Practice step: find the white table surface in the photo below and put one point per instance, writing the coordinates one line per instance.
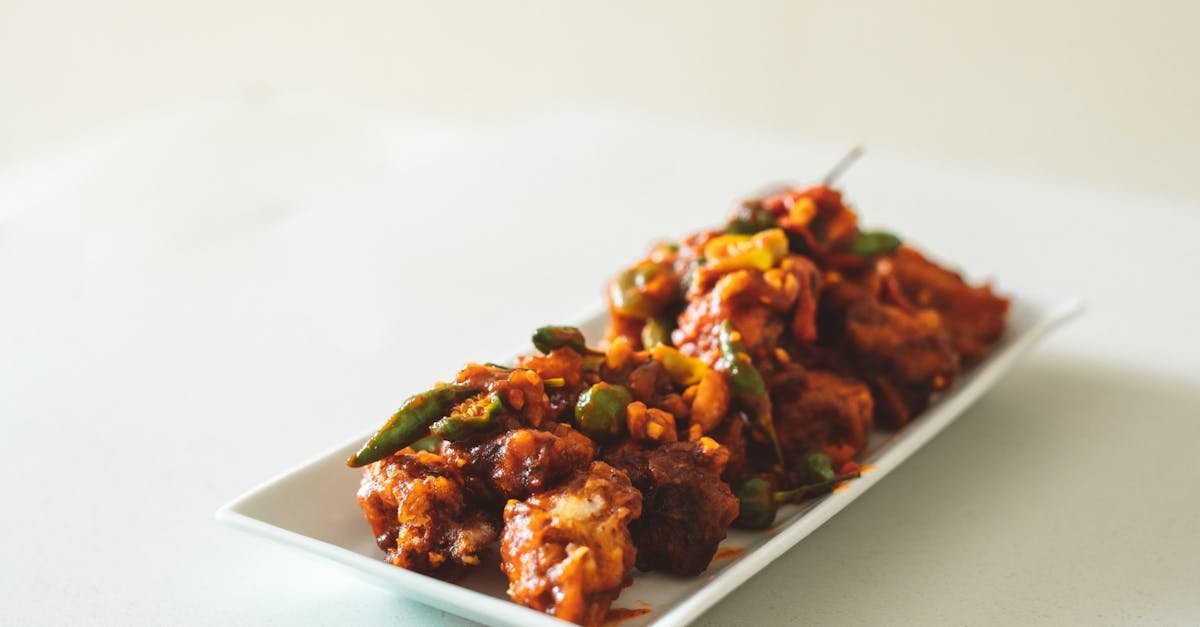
(199, 301)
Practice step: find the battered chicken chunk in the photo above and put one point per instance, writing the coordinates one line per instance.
(905, 357)
(687, 508)
(422, 515)
(517, 463)
(974, 316)
(565, 364)
(763, 306)
(567, 551)
(827, 413)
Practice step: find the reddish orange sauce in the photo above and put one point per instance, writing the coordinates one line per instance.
(618, 614)
(728, 552)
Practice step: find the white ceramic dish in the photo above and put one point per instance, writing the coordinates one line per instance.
(312, 508)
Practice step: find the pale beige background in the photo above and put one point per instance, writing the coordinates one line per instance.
(1100, 92)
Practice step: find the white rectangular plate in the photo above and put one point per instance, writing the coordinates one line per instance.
(312, 507)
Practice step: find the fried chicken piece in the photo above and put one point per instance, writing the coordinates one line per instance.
(422, 515)
(517, 463)
(827, 413)
(567, 551)
(561, 363)
(710, 400)
(905, 357)
(730, 435)
(763, 306)
(687, 508)
(974, 316)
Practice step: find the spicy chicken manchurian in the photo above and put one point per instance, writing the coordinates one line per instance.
(744, 367)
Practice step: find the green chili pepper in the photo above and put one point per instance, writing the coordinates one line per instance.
(815, 467)
(759, 502)
(757, 506)
(600, 411)
(411, 422)
(593, 361)
(747, 383)
(429, 444)
(750, 218)
(654, 333)
(469, 417)
(628, 291)
(874, 244)
(550, 337)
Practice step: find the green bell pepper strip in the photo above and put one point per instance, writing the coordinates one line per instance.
(550, 337)
(411, 422)
(747, 383)
(468, 418)
(600, 411)
(874, 244)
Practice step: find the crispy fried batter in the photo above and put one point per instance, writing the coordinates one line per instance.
(763, 306)
(905, 357)
(568, 552)
(974, 316)
(687, 508)
(828, 413)
(517, 463)
(422, 515)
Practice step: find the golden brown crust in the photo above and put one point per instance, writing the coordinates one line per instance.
(974, 316)
(827, 413)
(422, 515)
(517, 463)
(568, 551)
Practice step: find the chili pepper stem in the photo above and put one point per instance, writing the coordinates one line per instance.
(768, 425)
(787, 496)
